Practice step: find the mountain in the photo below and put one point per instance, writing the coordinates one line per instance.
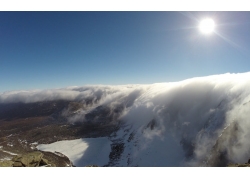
(201, 121)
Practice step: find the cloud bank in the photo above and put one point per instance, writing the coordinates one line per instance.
(196, 122)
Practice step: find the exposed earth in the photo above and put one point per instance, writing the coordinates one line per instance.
(23, 126)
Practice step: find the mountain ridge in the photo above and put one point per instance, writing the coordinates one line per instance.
(196, 122)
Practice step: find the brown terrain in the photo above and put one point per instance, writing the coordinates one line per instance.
(23, 126)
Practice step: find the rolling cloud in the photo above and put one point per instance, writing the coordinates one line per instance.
(186, 123)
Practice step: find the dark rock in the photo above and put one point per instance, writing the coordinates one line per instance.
(116, 152)
(54, 160)
(151, 124)
(44, 162)
(92, 165)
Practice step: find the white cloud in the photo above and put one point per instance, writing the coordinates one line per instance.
(190, 116)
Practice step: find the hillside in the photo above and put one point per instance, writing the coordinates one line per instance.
(197, 122)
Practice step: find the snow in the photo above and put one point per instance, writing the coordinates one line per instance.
(10, 135)
(34, 143)
(11, 153)
(82, 152)
(9, 144)
(6, 159)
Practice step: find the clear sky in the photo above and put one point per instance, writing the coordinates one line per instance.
(40, 50)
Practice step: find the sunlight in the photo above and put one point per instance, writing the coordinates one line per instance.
(207, 26)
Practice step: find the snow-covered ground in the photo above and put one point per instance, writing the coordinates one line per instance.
(82, 152)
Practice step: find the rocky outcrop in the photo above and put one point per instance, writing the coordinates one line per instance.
(59, 160)
(31, 159)
(240, 165)
(6, 163)
(28, 160)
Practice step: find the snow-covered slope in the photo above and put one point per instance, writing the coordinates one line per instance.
(82, 152)
(197, 122)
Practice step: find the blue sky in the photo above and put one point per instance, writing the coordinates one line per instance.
(40, 50)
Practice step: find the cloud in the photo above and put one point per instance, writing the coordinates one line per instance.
(196, 117)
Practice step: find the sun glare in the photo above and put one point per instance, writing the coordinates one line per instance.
(207, 26)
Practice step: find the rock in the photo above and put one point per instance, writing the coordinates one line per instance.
(56, 160)
(37, 159)
(17, 164)
(51, 165)
(6, 163)
(91, 165)
(44, 162)
(232, 165)
(31, 159)
(243, 165)
(239, 165)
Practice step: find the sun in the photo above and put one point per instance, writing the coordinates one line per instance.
(207, 26)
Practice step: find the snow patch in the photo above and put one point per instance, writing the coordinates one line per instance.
(34, 143)
(82, 152)
(11, 153)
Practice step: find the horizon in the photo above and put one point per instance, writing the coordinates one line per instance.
(79, 93)
(48, 50)
(120, 85)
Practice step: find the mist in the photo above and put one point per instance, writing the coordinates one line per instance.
(188, 123)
